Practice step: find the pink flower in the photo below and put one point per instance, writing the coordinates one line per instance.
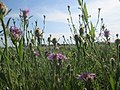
(36, 53)
(15, 32)
(87, 76)
(25, 13)
(58, 56)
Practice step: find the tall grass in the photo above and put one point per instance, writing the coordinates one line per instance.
(87, 64)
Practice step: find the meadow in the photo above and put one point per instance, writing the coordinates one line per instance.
(79, 63)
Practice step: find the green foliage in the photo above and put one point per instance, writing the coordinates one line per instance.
(20, 49)
(92, 31)
(27, 66)
(85, 12)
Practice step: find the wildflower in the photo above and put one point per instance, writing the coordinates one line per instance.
(54, 41)
(49, 39)
(76, 37)
(24, 14)
(52, 56)
(58, 56)
(3, 9)
(117, 35)
(15, 32)
(37, 32)
(117, 41)
(68, 7)
(36, 53)
(106, 33)
(81, 31)
(86, 76)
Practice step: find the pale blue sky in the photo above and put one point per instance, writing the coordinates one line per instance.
(57, 14)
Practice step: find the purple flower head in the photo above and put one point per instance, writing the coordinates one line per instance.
(24, 13)
(36, 53)
(52, 56)
(86, 76)
(58, 56)
(106, 33)
(16, 33)
(61, 56)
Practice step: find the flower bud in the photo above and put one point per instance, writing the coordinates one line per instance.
(3, 9)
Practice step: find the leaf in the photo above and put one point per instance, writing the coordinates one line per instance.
(80, 2)
(2, 23)
(85, 12)
(8, 11)
(8, 22)
(3, 78)
(20, 47)
(112, 82)
(30, 17)
(7, 27)
(92, 31)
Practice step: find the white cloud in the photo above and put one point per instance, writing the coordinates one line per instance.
(53, 14)
(109, 11)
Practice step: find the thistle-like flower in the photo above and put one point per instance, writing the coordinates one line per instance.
(15, 33)
(54, 41)
(3, 9)
(117, 41)
(58, 56)
(86, 76)
(106, 33)
(24, 14)
(38, 33)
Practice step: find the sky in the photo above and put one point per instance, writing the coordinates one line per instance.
(56, 13)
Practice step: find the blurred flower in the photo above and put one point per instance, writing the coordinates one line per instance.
(49, 39)
(58, 56)
(81, 31)
(3, 9)
(54, 41)
(24, 14)
(106, 33)
(38, 33)
(117, 41)
(15, 32)
(117, 35)
(86, 76)
(52, 56)
(36, 53)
